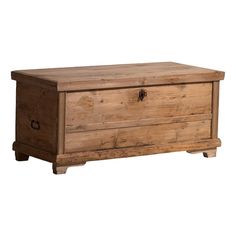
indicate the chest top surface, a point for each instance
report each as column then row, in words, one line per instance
column 116, row 76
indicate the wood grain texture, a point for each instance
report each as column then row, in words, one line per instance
column 116, row 76
column 121, row 108
column 36, row 106
column 81, row 157
column 215, row 108
column 61, row 123
column 68, row 116
column 138, row 136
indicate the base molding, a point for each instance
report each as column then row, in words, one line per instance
column 34, row 152
column 75, row 158
column 62, row 161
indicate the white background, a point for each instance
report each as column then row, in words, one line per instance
column 165, row 194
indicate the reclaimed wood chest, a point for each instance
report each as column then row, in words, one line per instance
column 69, row 116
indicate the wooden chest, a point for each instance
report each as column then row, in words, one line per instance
column 68, row 116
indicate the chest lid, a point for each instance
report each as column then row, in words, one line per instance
column 116, row 76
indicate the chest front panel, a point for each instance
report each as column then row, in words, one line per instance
column 115, row 118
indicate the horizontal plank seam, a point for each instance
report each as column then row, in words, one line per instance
column 207, row 117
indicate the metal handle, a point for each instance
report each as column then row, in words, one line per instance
column 35, row 124
column 142, row 94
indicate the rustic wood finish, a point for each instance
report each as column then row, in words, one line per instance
column 116, row 76
column 61, row 123
column 138, row 136
column 69, row 116
column 215, row 106
column 81, row 157
column 33, row 151
column 36, row 107
column 120, row 108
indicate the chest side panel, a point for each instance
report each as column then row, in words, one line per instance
column 36, row 117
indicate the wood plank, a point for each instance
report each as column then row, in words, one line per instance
column 137, row 136
column 117, row 76
column 215, row 108
column 121, row 108
column 144, row 122
column 36, row 115
column 81, row 157
column 61, row 123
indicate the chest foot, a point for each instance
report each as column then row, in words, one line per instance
column 21, row 156
column 206, row 153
